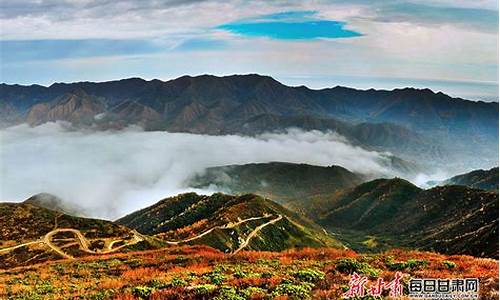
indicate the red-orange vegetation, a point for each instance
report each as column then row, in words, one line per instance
column 140, row 274
column 112, row 283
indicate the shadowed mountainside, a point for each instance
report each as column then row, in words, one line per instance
column 450, row 219
column 479, row 179
column 296, row 186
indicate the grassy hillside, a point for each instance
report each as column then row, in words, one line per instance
column 449, row 219
column 189, row 215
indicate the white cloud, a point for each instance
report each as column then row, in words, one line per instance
column 113, row 173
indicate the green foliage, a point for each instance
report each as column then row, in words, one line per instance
column 176, row 282
column 59, row 269
column 239, row 273
column 142, row 292
column 133, row 263
column 45, row 287
column 449, row 264
column 140, row 246
column 101, row 295
column 157, row 284
column 309, row 275
column 180, row 259
column 266, row 274
column 295, row 291
column 216, row 276
column 411, row 264
column 204, row 289
column 351, row 265
column 228, row 293
column 252, row 291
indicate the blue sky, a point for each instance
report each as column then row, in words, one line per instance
column 447, row 45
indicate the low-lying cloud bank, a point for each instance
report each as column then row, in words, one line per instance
column 113, row 173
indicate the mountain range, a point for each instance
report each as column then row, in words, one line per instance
column 462, row 211
column 415, row 124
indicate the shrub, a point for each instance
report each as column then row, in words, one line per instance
column 228, row 293
column 295, row 291
column 351, row 265
column 252, row 291
column 204, row 289
column 142, row 292
column 449, row 264
column 45, row 287
column 180, row 259
column 309, row 275
column 411, row 264
column 239, row 273
column 216, row 277
column 177, row 282
column 101, row 295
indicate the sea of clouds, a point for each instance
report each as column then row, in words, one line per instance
column 111, row 173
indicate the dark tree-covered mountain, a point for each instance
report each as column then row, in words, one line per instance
column 450, row 219
column 414, row 124
column 479, row 179
column 189, row 215
column 296, row 186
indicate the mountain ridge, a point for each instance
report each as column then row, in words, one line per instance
column 433, row 126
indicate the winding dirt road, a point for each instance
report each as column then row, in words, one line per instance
column 255, row 231
column 84, row 243
column 80, row 239
column 227, row 226
column 20, row 245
